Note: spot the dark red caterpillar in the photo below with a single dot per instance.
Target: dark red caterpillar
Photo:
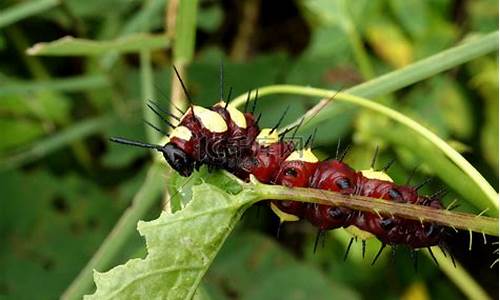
(223, 137)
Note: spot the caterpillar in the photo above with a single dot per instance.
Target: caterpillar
(223, 137)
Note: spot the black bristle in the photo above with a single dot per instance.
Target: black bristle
(183, 85)
(348, 248)
(410, 177)
(310, 140)
(156, 128)
(228, 96)
(124, 141)
(280, 120)
(378, 253)
(318, 235)
(388, 165)
(297, 128)
(374, 158)
(164, 111)
(160, 116)
(254, 104)
(426, 181)
(432, 255)
(258, 119)
(246, 102)
(346, 150)
(363, 248)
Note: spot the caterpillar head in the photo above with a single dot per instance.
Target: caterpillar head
(178, 159)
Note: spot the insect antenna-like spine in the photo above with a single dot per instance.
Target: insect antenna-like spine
(183, 86)
(160, 116)
(124, 141)
(163, 111)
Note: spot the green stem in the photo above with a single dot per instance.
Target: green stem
(459, 276)
(56, 141)
(458, 159)
(419, 70)
(147, 94)
(421, 213)
(360, 55)
(144, 199)
(67, 84)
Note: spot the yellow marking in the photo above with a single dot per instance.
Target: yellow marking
(355, 231)
(305, 155)
(181, 132)
(236, 116)
(284, 217)
(372, 174)
(210, 119)
(266, 138)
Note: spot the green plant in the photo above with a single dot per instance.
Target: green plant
(54, 124)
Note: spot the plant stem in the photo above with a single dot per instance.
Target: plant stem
(459, 276)
(458, 159)
(181, 28)
(56, 141)
(419, 70)
(421, 213)
(147, 94)
(66, 84)
(123, 230)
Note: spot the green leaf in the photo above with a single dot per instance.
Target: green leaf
(70, 46)
(298, 282)
(18, 132)
(66, 84)
(181, 247)
(24, 10)
(255, 266)
(390, 43)
(143, 200)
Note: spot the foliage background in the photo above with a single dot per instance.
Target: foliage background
(64, 186)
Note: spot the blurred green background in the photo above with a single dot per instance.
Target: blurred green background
(63, 185)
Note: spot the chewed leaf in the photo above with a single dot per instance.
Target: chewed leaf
(181, 247)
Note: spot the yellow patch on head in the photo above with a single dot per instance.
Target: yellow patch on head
(361, 234)
(210, 119)
(284, 217)
(304, 155)
(236, 116)
(266, 138)
(181, 132)
(372, 174)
